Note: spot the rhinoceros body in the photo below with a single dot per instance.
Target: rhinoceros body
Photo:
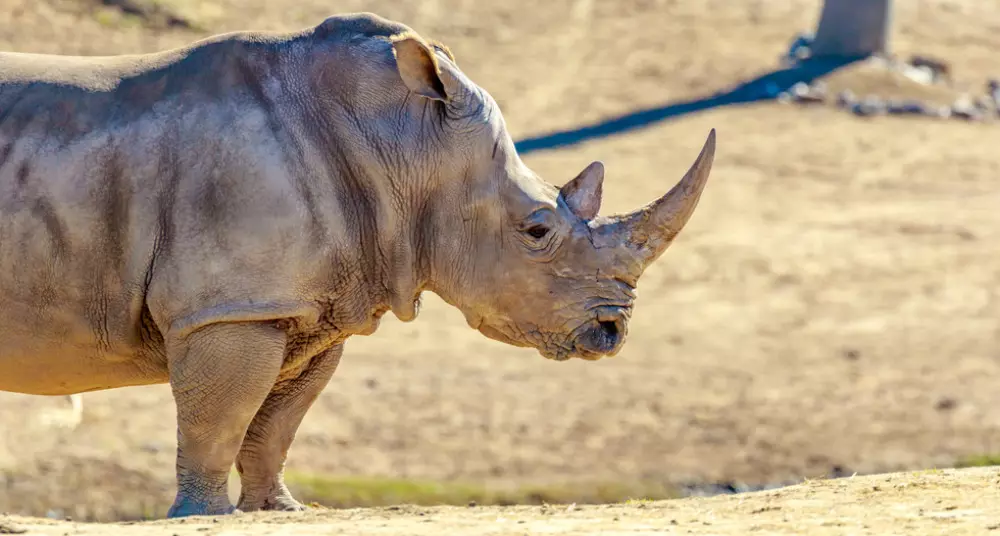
(224, 216)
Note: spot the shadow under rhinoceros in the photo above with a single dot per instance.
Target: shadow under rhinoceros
(765, 87)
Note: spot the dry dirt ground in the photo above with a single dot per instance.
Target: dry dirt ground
(941, 502)
(832, 306)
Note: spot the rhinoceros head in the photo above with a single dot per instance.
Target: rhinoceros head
(528, 263)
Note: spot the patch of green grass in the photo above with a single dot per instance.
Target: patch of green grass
(979, 460)
(352, 492)
(155, 14)
(113, 18)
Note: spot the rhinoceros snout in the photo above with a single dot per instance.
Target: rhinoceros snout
(605, 335)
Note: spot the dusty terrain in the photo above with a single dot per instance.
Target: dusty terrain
(831, 308)
(939, 502)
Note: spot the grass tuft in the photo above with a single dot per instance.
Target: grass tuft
(979, 460)
(353, 492)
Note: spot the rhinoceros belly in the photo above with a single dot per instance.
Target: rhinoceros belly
(70, 301)
(60, 354)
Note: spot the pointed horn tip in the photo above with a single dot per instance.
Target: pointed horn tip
(703, 163)
(710, 143)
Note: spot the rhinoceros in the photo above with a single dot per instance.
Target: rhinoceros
(222, 217)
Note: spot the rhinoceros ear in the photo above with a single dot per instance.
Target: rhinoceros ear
(583, 194)
(418, 67)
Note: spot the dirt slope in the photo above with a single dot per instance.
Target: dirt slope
(955, 503)
(833, 305)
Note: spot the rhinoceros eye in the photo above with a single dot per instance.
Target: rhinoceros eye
(537, 231)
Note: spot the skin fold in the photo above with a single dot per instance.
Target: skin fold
(223, 217)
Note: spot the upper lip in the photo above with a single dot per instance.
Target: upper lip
(612, 313)
(615, 313)
(623, 306)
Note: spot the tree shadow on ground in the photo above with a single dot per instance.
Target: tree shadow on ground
(765, 87)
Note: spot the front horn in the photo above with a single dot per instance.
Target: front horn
(652, 228)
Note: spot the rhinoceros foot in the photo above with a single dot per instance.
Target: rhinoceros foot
(279, 501)
(184, 507)
(286, 504)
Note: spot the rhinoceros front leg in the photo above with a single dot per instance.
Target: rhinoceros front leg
(262, 458)
(220, 375)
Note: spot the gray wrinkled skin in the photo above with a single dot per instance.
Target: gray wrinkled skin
(223, 217)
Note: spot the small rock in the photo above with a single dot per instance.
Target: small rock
(838, 471)
(846, 99)
(897, 107)
(7, 528)
(993, 90)
(870, 106)
(946, 404)
(966, 113)
(802, 92)
(939, 69)
(799, 48)
(965, 108)
(799, 89)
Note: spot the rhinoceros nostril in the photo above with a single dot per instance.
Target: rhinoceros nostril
(609, 328)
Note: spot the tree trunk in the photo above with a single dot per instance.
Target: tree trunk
(853, 28)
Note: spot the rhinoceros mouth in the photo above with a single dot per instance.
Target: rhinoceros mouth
(601, 335)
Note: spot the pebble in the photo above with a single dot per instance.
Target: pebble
(7, 528)
(870, 106)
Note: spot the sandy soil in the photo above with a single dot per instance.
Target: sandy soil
(832, 307)
(944, 502)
